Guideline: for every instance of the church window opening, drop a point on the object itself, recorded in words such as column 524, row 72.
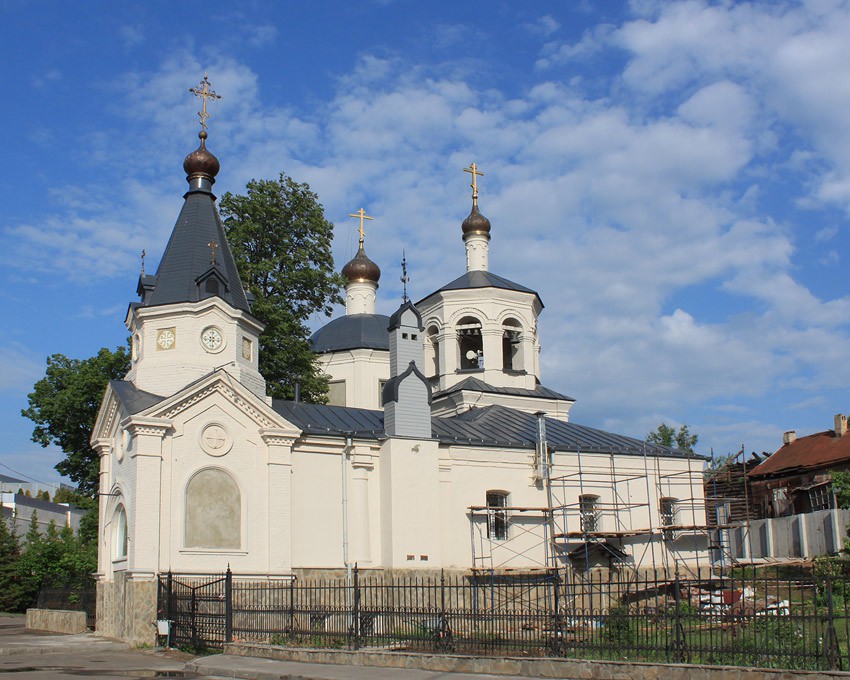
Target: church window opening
column 213, row 511
column 381, row 384
column 511, row 345
column 336, row 393
column 470, row 343
column 588, row 506
column 497, row 515
column 211, row 286
column 667, row 507
column 432, row 351
column 121, row 535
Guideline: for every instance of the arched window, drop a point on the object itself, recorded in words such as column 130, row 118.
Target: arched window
column 432, row 351
column 511, row 347
column 470, row 343
column 497, row 515
column 213, row 511
column 588, row 507
column 120, row 535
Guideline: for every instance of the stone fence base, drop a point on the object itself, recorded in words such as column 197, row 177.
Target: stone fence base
column 56, row 621
column 535, row 668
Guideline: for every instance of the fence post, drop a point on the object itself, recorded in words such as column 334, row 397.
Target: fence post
column 168, row 594
column 356, row 613
column 228, row 605
column 194, row 610
column 831, row 642
column 678, row 643
column 292, row 607
column 556, row 603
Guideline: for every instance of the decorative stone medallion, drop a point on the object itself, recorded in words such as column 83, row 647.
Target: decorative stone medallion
column 216, row 440
column 166, row 338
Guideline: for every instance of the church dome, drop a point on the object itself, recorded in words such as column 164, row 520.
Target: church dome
column 361, row 268
column 475, row 223
column 201, row 161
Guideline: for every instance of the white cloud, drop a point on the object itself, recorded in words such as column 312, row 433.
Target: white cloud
column 615, row 206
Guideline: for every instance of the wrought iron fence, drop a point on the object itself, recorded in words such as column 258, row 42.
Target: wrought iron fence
column 777, row 617
column 82, row 597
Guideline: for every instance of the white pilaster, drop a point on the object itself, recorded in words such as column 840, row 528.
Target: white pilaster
column 361, row 548
column 103, row 447
column 144, row 512
column 279, row 526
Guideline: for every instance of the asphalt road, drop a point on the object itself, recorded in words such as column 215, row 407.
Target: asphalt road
column 47, row 656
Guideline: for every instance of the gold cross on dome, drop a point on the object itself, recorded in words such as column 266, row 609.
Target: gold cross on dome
column 204, row 92
column 473, row 170
column 213, row 245
column 363, row 216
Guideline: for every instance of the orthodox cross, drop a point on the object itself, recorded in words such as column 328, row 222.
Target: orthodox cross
column 363, row 216
column 404, row 277
column 143, row 261
column 204, row 93
column 473, row 170
column 213, row 245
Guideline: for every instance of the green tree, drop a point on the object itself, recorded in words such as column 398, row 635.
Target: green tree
column 64, row 405
column 11, row 590
column 282, row 245
column 665, row 435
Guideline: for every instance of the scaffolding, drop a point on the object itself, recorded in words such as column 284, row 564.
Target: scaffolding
column 601, row 511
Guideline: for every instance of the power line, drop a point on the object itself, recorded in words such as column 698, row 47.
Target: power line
column 32, row 479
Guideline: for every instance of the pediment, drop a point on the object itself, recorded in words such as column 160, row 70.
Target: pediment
column 220, row 383
column 108, row 416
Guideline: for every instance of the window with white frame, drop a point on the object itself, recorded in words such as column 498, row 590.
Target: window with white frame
column 667, row 508
column 588, row 506
column 497, row 515
column 120, row 536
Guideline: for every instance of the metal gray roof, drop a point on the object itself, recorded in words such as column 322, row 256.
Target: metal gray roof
column 499, row 425
column 334, row 420
column 476, row 385
column 133, row 399
column 353, row 331
column 187, row 257
column 5, row 479
column 479, row 279
column 492, row 426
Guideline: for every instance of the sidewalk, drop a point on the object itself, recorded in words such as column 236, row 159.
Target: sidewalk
column 253, row 668
column 16, row 639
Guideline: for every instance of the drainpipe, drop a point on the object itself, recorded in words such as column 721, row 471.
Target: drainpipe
column 349, row 445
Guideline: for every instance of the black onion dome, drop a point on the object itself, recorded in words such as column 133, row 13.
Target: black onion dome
column 361, row 268
column 201, row 161
column 476, row 223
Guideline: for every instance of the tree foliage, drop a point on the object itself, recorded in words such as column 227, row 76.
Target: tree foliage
column 841, row 487
column 282, row 245
column 64, row 405
column 665, row 435
column 11, row 589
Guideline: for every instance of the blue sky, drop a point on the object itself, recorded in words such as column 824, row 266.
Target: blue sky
column 672, row 177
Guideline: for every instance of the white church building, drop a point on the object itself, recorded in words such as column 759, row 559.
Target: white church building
column 440, row 447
